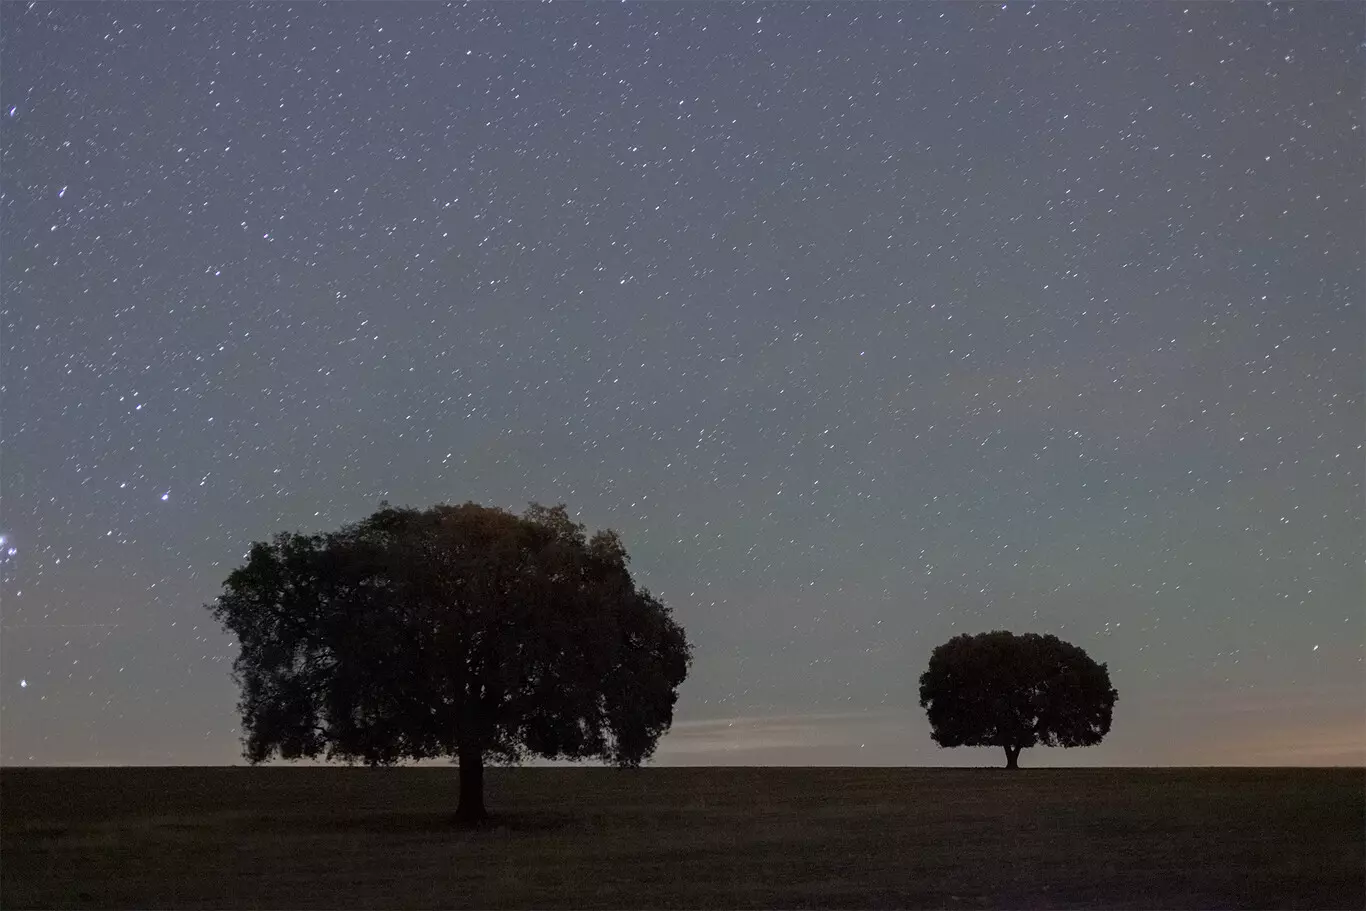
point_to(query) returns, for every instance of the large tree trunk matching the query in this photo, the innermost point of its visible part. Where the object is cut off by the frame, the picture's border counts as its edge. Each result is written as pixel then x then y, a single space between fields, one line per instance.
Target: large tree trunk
pixel 1012 757
pixel 471 811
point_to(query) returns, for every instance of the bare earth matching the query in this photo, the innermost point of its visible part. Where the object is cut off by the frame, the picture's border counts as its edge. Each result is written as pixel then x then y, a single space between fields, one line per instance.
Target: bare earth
pixel 704 838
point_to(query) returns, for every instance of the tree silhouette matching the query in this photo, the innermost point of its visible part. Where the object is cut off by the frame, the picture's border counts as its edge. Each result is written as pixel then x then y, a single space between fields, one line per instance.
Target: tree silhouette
pixel 461 631
pixel 999 689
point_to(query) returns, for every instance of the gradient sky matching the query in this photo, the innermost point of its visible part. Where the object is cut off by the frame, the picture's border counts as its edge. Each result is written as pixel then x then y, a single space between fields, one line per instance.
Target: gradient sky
pixel 865 325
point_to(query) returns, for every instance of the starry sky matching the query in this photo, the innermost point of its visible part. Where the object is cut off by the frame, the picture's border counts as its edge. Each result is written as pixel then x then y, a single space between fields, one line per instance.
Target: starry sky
pixel 865 324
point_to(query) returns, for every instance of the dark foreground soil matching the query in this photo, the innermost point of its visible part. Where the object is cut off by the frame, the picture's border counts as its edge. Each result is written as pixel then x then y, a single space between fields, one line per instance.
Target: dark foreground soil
pixel 684 838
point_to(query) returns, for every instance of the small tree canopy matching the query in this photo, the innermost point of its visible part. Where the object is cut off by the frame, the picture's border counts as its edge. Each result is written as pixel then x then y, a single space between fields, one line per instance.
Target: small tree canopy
pixel 461 631
pixel 999 689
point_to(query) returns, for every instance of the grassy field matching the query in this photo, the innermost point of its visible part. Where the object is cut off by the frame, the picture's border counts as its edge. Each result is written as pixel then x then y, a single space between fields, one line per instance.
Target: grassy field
pixel 654 838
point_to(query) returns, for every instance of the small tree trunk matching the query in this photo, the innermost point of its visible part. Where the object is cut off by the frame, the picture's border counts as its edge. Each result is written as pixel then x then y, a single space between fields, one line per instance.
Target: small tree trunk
pixel 1012 757
pixel 471 811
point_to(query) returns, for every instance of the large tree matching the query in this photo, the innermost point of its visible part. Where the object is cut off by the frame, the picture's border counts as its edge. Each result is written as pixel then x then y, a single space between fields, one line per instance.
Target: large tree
pixel 999 689
pixel 462 631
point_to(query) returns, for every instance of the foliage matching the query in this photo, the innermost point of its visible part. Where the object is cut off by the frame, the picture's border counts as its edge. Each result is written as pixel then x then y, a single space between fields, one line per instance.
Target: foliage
pixel 999 689
pixel 451 631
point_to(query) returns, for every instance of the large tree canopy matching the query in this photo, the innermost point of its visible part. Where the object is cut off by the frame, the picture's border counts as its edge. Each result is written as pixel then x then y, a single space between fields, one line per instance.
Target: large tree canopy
pixel 999 689
pixel 461 631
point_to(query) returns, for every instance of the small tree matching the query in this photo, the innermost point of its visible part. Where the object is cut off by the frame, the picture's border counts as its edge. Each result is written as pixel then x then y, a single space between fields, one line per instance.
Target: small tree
pixel 999 689
pixel 460 631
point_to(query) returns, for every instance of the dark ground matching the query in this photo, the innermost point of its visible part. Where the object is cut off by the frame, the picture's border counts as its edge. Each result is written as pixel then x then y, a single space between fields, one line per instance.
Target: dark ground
pixel 736 838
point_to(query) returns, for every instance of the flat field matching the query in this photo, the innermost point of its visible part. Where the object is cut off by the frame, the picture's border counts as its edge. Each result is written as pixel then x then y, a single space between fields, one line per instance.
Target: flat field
pixel 684 838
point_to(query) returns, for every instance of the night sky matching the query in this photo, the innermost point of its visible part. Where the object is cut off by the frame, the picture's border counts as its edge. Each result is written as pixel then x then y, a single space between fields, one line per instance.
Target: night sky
pixel 865 324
